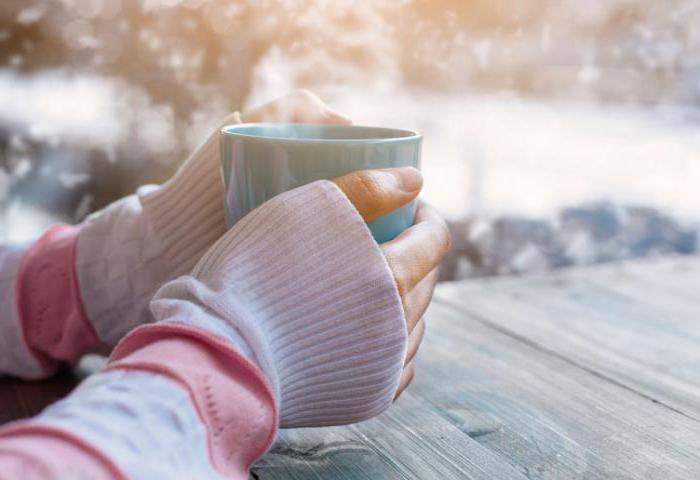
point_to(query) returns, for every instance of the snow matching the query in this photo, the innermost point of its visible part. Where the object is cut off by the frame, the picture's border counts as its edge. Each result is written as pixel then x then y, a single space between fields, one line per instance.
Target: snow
pixel 24 222
pixel 486 157
pixel 4 184
pixel 497 156
pixel 86 110
pixel 529 181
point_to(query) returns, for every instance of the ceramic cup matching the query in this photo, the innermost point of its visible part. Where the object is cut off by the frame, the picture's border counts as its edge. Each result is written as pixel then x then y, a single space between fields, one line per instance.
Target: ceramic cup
pixel 261 160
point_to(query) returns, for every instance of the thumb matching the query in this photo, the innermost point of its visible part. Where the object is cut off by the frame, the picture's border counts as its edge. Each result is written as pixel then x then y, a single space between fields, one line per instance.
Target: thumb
pixel 377 192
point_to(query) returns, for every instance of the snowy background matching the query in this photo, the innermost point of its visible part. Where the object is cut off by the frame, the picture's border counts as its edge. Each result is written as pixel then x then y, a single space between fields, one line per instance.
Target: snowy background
pixel 556 133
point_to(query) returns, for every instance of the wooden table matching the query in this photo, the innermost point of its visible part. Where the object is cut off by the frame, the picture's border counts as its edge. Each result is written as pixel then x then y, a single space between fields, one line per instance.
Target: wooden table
pixel 583 374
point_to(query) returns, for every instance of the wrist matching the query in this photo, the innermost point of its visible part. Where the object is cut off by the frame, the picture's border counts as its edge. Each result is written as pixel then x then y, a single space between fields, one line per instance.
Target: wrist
pixel 131 248
pixel 120 265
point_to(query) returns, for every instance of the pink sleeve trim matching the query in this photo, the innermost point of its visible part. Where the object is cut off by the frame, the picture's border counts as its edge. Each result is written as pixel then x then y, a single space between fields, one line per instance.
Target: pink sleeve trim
pixel 55 328
pixel 230 394
pixel 55 451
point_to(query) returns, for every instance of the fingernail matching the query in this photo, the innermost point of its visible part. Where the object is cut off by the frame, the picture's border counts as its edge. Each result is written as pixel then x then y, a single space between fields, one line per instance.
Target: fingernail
pixel 408 179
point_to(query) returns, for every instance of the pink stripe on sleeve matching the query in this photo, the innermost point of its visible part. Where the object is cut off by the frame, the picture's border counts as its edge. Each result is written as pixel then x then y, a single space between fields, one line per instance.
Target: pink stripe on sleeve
pixel 54 325
pixel 233 398
pixel 33 452
pixel 234 410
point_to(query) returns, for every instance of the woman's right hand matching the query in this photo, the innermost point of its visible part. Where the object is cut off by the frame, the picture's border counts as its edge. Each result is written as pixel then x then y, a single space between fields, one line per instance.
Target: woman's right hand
pixel 300 287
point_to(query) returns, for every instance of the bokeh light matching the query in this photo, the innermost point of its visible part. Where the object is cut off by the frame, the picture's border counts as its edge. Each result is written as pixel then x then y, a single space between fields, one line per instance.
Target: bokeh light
pixel 546 123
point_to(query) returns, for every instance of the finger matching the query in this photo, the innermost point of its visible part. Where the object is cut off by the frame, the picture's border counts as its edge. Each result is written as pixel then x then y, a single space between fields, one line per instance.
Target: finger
pixel 406 378
pixel 417 300
pixel 378 192
pixel 414 340
pixel 417 250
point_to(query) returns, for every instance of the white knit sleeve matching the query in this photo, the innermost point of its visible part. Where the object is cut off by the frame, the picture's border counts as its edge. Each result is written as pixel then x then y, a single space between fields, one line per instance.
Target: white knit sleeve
pixel 143 421
pixel 120 266
pixel 129 249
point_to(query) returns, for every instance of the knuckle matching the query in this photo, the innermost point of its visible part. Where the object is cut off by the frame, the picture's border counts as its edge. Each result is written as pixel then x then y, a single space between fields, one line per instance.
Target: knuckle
pixel 411 371
pixel 443 237
pixel 402 283
pixel 367 182
pixel 421 327
pixel 368 189
pixel 433 275
pixel 398 271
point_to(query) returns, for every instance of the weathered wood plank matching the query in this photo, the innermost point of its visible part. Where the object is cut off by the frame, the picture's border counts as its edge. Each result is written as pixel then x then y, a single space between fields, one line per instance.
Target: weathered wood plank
pixel 550 417
pixel 607 319
pixel 411 441
pixel 532 412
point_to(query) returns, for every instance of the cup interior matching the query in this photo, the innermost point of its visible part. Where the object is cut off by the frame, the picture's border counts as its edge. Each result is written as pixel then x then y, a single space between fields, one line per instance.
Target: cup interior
pixel 318 132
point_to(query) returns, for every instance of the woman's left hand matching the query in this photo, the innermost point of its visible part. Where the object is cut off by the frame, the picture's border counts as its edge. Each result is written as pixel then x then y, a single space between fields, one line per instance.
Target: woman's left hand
pixel 162 233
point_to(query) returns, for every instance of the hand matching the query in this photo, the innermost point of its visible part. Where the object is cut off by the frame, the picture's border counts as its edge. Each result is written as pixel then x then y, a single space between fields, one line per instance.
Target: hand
pixel 413 256
pixel 196 189
pixel 162 234
pixel 300 287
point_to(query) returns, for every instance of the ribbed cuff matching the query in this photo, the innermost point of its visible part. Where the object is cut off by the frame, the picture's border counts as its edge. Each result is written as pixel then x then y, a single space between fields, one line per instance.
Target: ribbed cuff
pixel 301 280
pixel 49 301
pixel 188 211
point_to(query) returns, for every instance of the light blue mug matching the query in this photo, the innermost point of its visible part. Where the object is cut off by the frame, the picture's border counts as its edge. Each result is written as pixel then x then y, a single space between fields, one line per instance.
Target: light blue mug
pixel 261 160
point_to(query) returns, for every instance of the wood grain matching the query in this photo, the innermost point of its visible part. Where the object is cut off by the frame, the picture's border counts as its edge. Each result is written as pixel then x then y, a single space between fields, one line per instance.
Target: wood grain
pixel 591 373
pixel 20 399
pixel 634 323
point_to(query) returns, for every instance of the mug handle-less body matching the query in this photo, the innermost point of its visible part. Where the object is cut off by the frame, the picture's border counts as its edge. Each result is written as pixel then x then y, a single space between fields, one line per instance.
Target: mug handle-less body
pixel 260 161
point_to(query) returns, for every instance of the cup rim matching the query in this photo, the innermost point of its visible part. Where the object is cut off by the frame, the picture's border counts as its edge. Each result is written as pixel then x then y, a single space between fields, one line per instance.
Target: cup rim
pixel 408 135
